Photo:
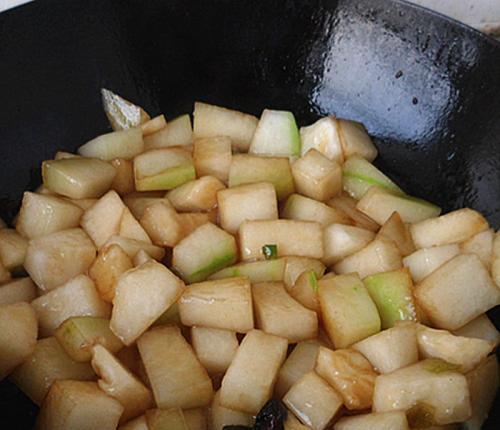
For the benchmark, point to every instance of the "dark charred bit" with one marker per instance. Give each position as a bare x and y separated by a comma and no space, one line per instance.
271,417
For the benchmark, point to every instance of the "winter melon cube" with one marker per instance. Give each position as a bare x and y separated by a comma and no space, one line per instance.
324,136
196,195
124,144
215,348
212,156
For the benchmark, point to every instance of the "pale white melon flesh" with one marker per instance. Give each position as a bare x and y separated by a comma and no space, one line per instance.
142,294
396,230
350,374
383,420
454,227
196,419
424,261
246,202
18,334
305,291
480,244
466,353
302,208
177,132
41,214
292,423
495,261
124,144
391,349
196,195
248,383
118,382
295,266
138,423
446,295
163,224
256,271
324,136
131,229
297,238
166,419
213,121
317,177
48,363
221,416
480,328
341,240
123,183
177,377
276,312
54,259
17,290
138,202
153,125
212,156
132,247
427,390
215,348
12,249
78,405
300,361
355,140
313,401
225,304
76,298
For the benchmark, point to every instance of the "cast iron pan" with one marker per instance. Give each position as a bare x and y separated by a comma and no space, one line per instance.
427,88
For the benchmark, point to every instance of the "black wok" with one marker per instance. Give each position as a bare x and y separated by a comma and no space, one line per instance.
427,88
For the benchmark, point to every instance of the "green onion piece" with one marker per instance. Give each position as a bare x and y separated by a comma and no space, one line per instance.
270,251
313,281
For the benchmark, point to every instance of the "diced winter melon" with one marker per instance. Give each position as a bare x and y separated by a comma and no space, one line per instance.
424,261
83,204
123,183
5,275
295,266
142,294
380,204
221,417
18,333
196,419
78,405
323,136
117,382
248,383
132,247
349,314
381,255
249,169
12,248
140,258
138,202
355,140
483,386
177,377
299,238
213,121
350,374
110,263
17,290
392,293
54,259
205,251
427,390
169,419
163,169
246,202
121,113
480,328
383,420
347,205
41,214
313,401
257,271
153,125
317,177
163,224
292,423
495,260
302,208
177,132
224,304
359,175
464,352
276,312
215,348
78,297
212,156
446,295
47,364
300,361
454,227
305,290
391,349
78,335
396,230
138,423
124,144
480,244
276,135
341,240
196,195
78,178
